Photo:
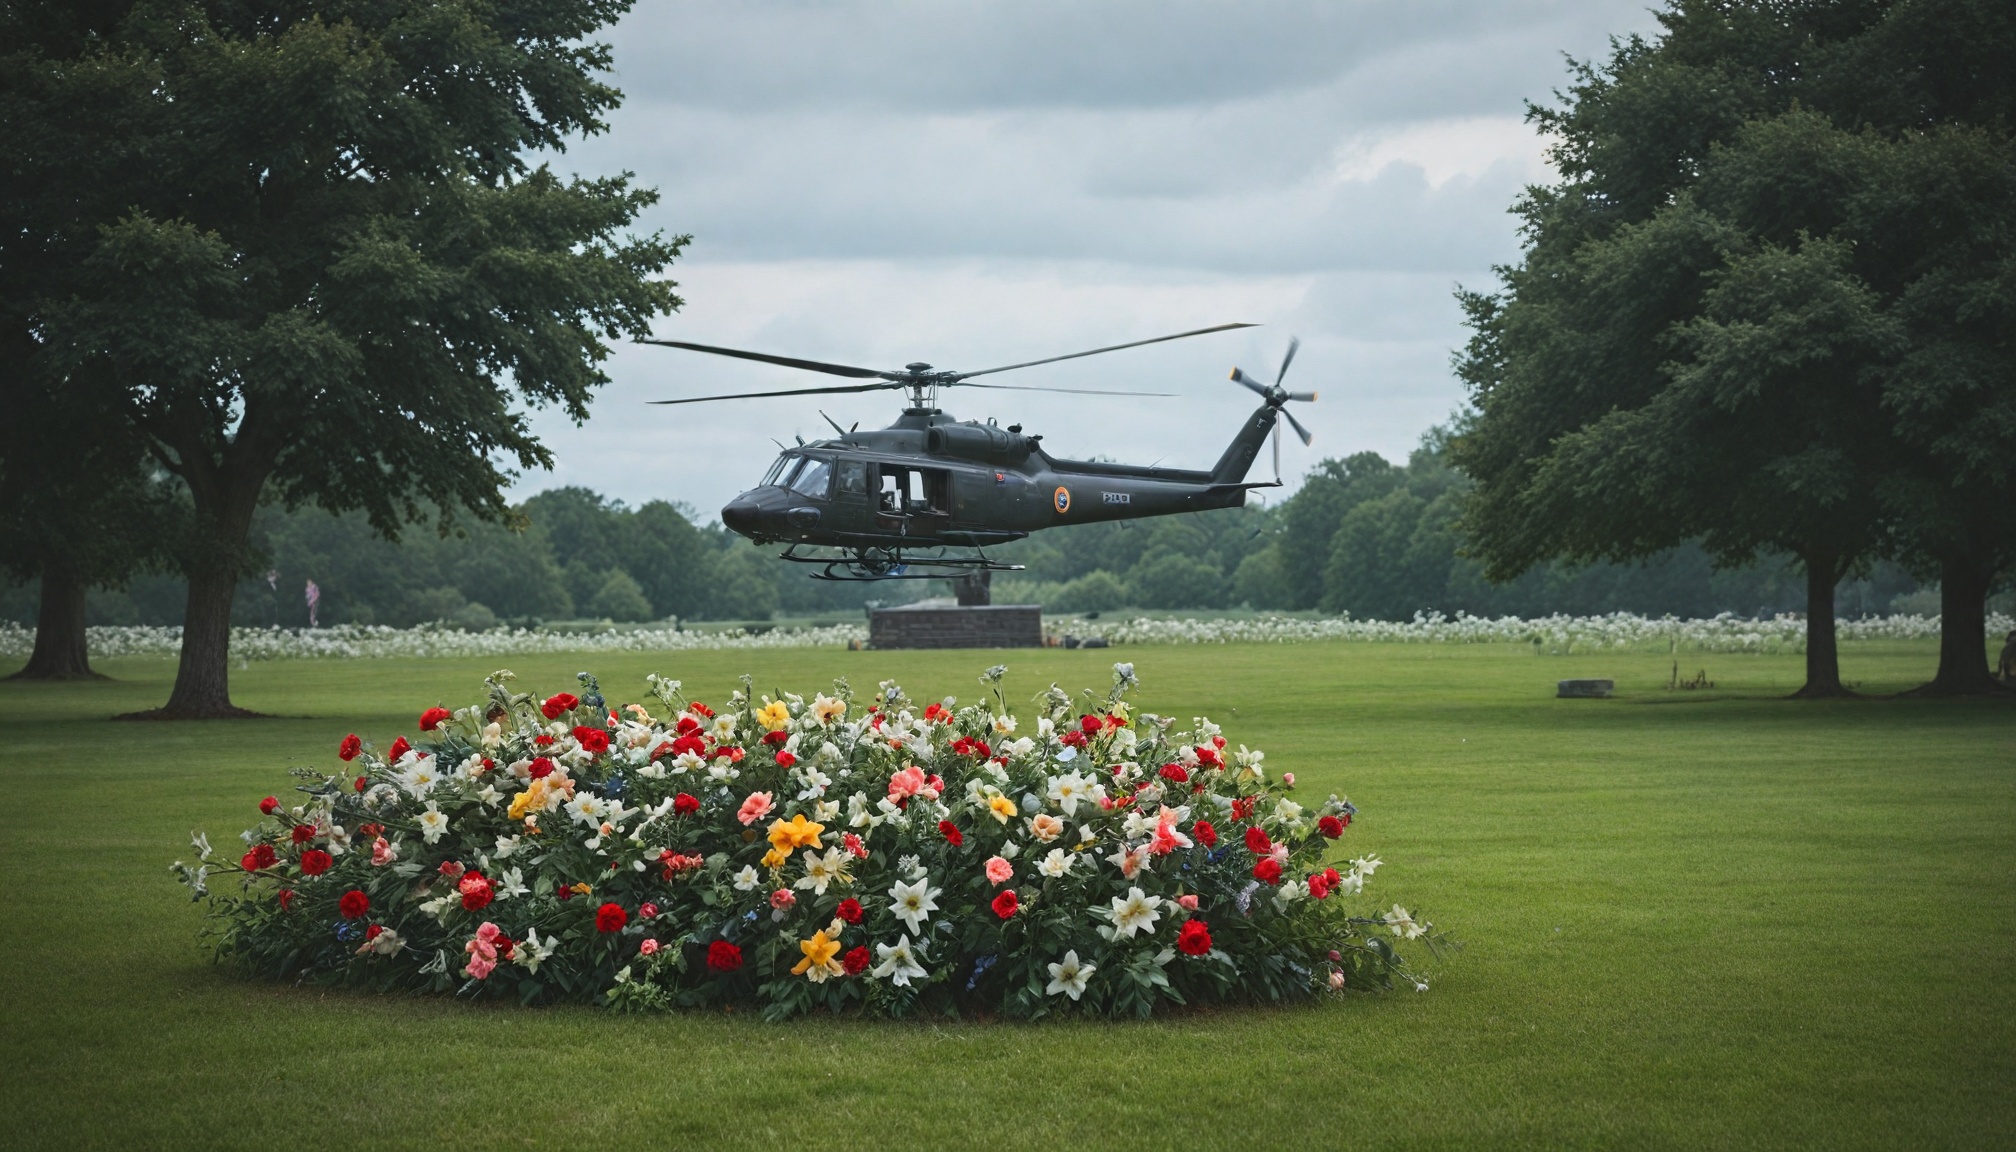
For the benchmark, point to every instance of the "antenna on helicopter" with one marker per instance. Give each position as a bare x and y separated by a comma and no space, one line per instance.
836,426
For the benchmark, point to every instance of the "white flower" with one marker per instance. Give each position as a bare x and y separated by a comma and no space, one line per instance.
1402,924
899,961
1068,975
512,883
418,777
1287,812
747,879
687,762
821,870
910,866
1135,912
433,823
386,943
587,808
532,951
1067,790
490,795
1057,863
826,811
815,783
506,845
1366,865
914,903
1129,861
1004,724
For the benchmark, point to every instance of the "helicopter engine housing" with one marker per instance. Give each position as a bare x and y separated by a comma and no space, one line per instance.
979,442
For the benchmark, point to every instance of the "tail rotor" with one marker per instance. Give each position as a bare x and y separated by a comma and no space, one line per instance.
1277,398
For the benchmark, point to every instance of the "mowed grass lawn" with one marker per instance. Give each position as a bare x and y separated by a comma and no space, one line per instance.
1693,919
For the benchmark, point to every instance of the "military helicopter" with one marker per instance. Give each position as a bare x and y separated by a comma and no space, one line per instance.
923,498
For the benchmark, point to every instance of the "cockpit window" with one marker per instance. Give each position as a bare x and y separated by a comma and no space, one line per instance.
776,472
812,479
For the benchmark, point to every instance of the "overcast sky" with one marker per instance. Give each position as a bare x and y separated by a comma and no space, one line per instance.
974,184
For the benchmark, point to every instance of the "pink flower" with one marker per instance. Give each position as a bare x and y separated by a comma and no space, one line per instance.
645,911
1288,778
1336,980
999,870
906,783
757,806
1187,901
482,952
648,948
381,852
853,845
782,899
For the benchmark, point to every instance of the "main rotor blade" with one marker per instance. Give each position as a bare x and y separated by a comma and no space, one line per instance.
1073,391
786,361
1097,351
877,387
1294,342
1248,381
1297,425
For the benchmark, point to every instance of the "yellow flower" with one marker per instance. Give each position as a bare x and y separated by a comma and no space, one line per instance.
775,858
582,889
799,833
819,962
1002,808
774,715
533,798
826,710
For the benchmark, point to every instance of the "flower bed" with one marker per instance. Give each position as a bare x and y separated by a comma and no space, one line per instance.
798,854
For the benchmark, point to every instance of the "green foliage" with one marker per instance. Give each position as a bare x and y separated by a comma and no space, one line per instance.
620,598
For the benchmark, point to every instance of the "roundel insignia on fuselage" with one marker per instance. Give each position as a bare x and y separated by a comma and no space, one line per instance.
1063,499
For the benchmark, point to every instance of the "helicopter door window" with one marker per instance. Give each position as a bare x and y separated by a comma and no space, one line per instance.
853,476
812,479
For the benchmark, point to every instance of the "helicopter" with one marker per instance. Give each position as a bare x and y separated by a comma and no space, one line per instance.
925,497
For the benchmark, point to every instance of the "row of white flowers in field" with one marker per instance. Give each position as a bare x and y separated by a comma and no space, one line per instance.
366,641
1619,630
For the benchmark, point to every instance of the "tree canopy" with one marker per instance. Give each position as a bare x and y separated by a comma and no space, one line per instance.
302,250
1761,293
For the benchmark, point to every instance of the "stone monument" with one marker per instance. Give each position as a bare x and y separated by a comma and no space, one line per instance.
972,620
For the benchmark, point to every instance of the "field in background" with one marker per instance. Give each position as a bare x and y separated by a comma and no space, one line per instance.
1692,918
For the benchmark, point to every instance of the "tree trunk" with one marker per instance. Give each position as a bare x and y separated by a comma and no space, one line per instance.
1823,657
1963,639
203,679
60,650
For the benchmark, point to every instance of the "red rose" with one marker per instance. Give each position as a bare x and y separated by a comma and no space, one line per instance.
432,718
1072,739
610,918
1331,877
1257,842
857,961
315,861
353,904
1194,938
723,956
1091,725
786,759
687,726
261,856
555,705
1330,826
1006,903
593,740
399,748
1175,774
1242,808
476,890
935,711
303,833
773,739
684,744
1267,870
685,804
543,740
849,910
1318,886
951,833
349,748
1205,833
269,805
540,769
373,932
286,899
363,782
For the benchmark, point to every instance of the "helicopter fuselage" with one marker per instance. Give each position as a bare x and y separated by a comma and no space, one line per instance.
929,480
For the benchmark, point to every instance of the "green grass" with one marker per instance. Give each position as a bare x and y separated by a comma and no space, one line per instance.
1692,919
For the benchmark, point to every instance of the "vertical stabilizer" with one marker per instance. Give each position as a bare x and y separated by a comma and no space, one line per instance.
1245,447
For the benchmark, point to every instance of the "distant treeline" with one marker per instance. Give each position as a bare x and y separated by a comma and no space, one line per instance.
1362,535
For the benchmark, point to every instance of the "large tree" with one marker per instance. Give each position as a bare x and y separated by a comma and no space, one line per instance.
1706,335
322,266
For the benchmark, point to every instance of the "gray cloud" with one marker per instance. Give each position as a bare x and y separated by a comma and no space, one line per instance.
976,184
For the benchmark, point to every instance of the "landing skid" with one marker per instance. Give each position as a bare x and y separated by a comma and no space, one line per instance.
892,564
